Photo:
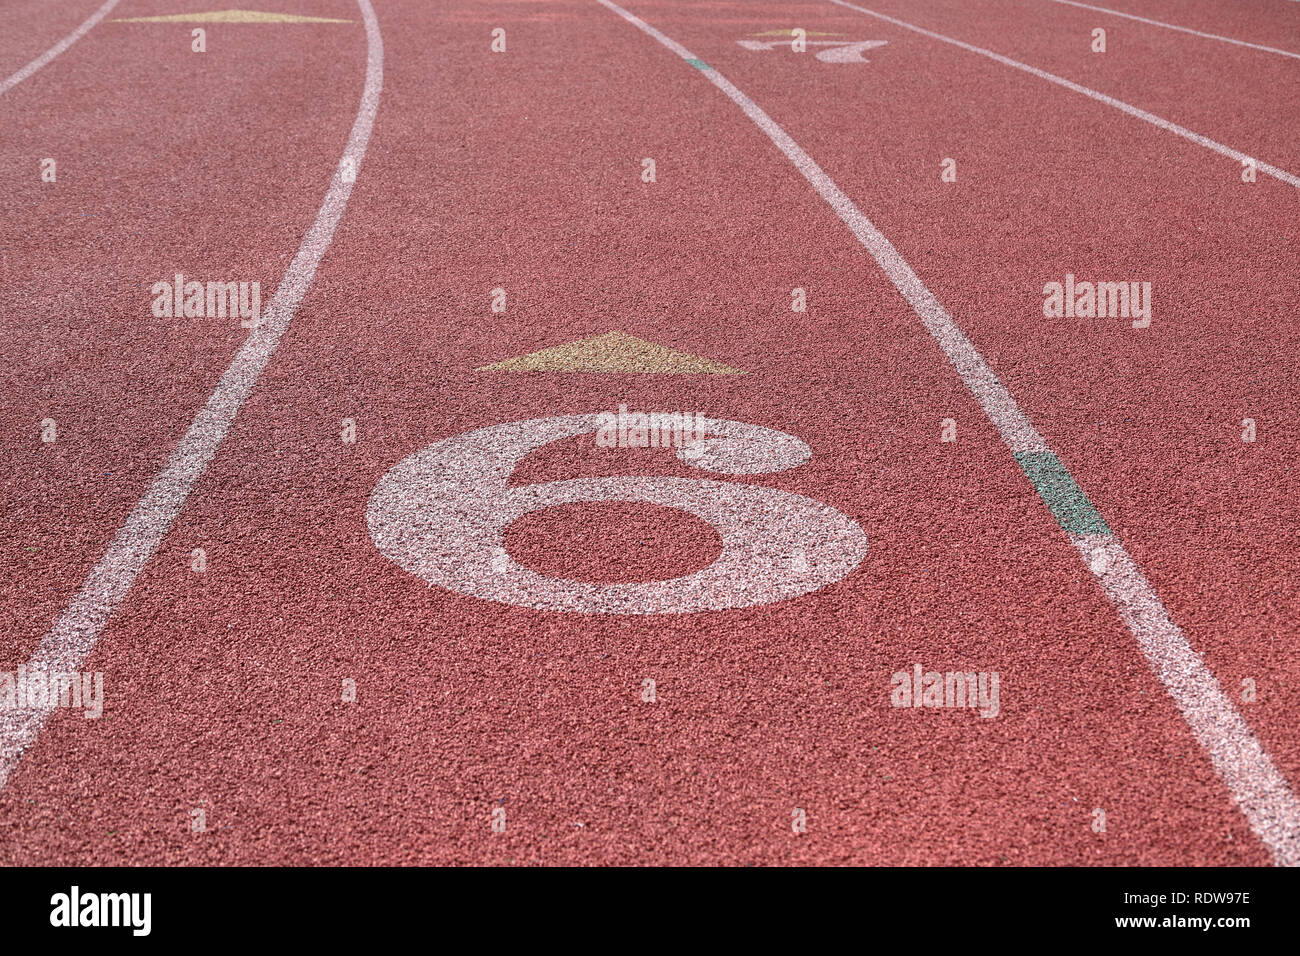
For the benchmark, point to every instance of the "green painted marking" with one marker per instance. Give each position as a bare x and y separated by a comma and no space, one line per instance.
699,64
1064,499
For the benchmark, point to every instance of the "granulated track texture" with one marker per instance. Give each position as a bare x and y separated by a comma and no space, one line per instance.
658,439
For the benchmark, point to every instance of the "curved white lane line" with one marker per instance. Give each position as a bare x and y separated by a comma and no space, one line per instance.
1171,26
58,48
73,636
1131,110
1260,790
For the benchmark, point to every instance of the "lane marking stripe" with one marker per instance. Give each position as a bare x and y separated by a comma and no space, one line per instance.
59,47
1141,114
1063,497
1171,26
1259,789
74,635
979,378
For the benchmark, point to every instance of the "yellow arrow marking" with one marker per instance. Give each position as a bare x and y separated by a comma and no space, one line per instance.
230,16
612,352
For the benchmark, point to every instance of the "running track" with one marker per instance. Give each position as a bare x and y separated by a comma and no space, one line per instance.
522,170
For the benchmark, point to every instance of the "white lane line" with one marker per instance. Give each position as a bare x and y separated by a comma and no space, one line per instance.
1151,118
1171,26
73,636
1259,789
996,401
58,48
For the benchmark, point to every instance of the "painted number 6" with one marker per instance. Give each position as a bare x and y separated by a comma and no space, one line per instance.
442,514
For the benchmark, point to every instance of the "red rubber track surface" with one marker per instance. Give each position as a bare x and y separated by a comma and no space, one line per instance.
33,26
522,170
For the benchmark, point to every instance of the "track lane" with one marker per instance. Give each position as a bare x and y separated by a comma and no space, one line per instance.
466,705
131,206
1271,22
1210,524
1148,21
1262,793
35,34
1156,69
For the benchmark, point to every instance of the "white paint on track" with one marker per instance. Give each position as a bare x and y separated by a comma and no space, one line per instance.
1171,26
59,47
442,512
1131,110
74,635
997,402
1258,787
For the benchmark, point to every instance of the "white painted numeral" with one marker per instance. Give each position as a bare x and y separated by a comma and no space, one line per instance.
848,52
442,513
837,51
